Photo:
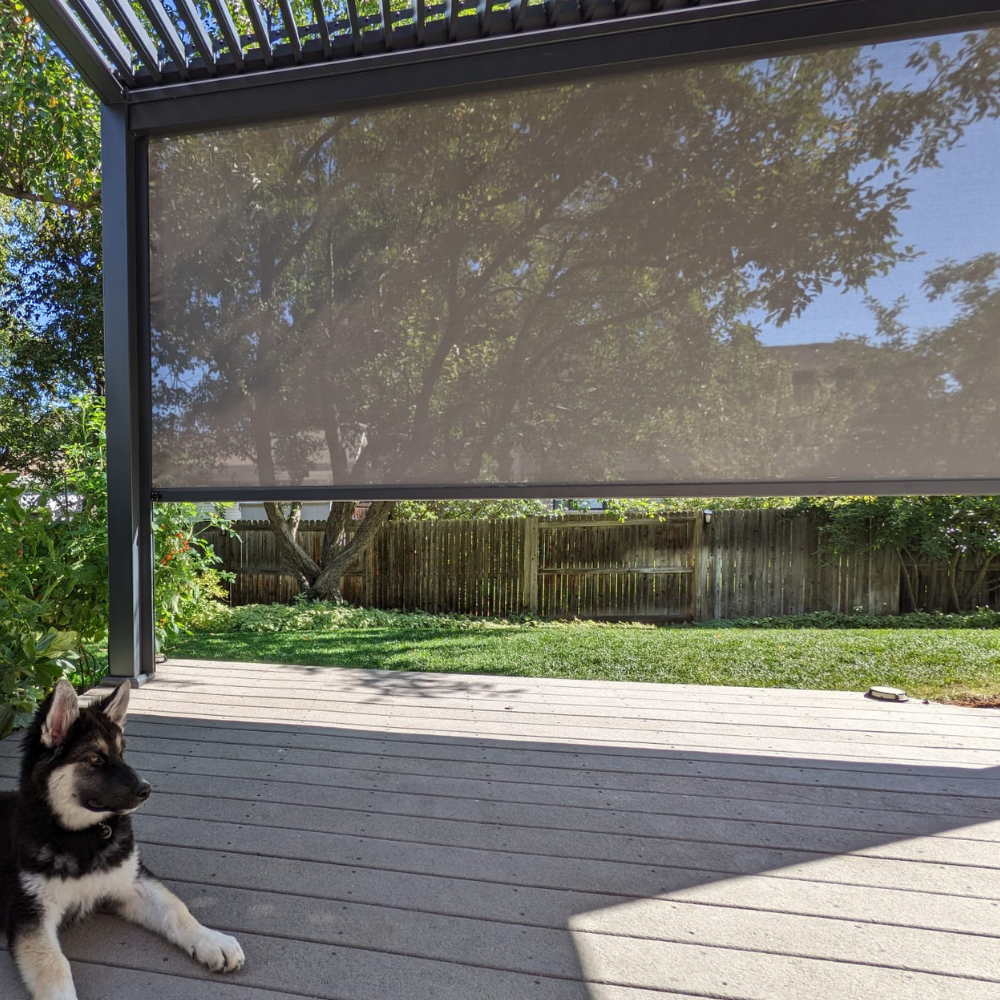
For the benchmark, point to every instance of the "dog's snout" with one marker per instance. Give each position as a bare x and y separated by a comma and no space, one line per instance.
142,792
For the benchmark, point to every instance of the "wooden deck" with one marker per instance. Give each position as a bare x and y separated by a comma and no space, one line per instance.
389,836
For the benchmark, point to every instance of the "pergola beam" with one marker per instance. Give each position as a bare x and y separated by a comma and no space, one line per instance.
746,27
130,548
69,33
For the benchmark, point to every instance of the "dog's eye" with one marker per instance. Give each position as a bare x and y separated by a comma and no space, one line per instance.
95,758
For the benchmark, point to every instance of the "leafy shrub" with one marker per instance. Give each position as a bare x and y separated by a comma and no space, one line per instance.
33,656
981,618
43,603
308,616
54,566
188,585
304,616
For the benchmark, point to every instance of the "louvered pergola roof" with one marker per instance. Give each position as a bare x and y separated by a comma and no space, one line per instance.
122,46
143,50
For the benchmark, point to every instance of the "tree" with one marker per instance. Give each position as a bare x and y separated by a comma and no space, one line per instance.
321,580
51,344
51,339
949,546
49,121
485,510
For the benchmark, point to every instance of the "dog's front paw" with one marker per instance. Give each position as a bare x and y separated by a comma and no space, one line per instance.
218,951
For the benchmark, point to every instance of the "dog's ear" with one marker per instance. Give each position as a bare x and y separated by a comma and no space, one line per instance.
116,704
62,713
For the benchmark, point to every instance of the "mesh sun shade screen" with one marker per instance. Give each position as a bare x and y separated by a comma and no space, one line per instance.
773,270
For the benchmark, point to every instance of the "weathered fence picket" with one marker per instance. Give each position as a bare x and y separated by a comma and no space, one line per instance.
745,563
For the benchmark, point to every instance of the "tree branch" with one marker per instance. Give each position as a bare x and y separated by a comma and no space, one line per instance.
285,531
19,194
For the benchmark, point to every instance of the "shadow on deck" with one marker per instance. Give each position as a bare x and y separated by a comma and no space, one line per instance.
383,836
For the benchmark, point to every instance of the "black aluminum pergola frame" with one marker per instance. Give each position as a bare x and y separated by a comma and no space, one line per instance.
172,71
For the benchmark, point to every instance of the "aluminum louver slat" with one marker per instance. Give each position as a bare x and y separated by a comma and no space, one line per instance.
167,33
199,36
133,30
228,28
260,31
291,28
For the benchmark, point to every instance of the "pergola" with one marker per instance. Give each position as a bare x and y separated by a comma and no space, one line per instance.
189,89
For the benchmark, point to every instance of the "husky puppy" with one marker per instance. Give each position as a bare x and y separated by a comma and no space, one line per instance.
66,845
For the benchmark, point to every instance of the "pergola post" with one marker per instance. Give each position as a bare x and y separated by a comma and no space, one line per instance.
131,651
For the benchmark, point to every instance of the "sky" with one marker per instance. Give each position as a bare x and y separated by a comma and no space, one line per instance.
954,213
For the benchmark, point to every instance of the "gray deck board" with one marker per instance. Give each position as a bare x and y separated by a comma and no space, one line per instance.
374,835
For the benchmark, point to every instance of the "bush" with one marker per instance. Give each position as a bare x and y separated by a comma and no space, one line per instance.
188,585
33,656
44,611
304,616
54,566
309,616
981,618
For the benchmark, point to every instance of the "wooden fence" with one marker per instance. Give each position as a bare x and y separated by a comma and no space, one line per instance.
755,563
749,563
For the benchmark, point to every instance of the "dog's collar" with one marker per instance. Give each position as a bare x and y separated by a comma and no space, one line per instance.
104,829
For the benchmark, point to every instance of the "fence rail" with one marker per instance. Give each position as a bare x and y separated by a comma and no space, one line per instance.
750,563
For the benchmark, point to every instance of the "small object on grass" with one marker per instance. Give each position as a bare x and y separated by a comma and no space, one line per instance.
887,694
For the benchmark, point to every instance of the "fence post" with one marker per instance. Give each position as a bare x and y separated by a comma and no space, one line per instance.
701,551
368,583
529,582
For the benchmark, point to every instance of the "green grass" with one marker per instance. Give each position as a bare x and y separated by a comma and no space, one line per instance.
934,663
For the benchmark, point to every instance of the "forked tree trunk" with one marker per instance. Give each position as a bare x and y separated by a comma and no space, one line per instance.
321,580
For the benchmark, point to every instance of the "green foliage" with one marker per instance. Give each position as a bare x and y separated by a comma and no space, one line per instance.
931,527
36,647
981,618
33,656
310,616
49,121
54,564
647,507
51,346
51,339
491,510
957,538
188,585
54,534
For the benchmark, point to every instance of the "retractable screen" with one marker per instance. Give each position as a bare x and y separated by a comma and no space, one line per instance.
783,269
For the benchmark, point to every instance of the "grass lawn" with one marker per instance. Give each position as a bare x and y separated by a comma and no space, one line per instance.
940,664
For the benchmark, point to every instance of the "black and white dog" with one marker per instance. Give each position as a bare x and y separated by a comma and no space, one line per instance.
66,845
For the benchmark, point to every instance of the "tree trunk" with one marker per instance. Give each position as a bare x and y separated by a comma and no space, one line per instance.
908,580
286,529
953,582
326,586
970,592
321,581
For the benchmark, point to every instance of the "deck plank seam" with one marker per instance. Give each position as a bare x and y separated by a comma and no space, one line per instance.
878,831
722,872
659,724
540,925
393,703
617,789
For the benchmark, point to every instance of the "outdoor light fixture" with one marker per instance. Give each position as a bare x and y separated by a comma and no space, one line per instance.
707,516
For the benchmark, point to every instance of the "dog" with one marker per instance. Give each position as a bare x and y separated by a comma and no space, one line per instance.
67,847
